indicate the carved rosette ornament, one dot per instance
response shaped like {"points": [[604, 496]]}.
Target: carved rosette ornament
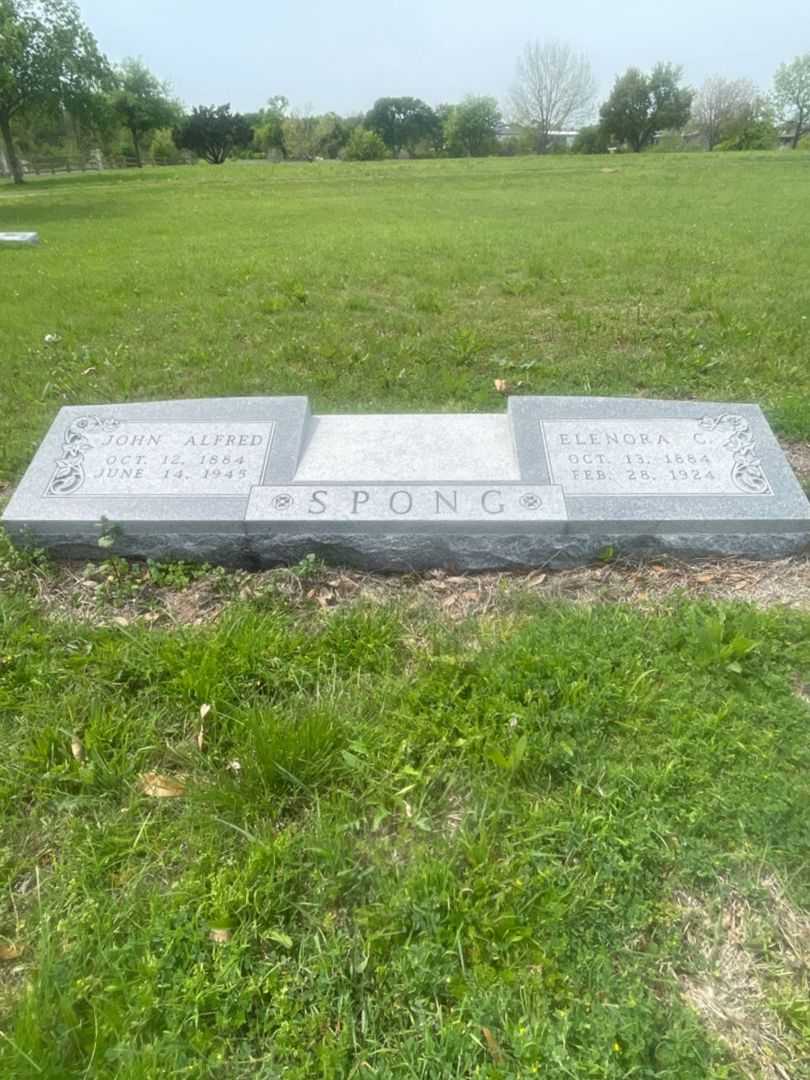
{"points": [[69, 475], [747, 472]]}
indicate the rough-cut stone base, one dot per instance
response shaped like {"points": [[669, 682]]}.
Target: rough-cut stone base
{"points": [[490, 551], [402, 552]]}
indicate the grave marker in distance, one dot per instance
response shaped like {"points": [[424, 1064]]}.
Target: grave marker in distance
{"points": [[17, 239]]}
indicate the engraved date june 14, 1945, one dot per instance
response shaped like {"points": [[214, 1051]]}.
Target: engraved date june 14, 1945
{"points": [[127, 457]]}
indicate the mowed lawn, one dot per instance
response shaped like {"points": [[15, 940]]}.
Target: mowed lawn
{"points": [[289, 826], [409, 285]]}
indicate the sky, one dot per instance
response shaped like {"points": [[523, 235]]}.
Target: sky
{"points": [[327, 55]]}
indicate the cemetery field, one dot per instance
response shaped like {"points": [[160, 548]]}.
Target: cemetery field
{"points": [[309, 823], [410, 285]]}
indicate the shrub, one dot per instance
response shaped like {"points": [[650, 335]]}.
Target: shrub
{"points": [[163, 149], [591, 140], [754, 135], [364, 145]]}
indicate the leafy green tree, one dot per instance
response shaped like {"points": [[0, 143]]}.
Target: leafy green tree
{"points": [[640, 105], [49, 61], [268, 125], [402, 123], [142, 103], [791, 92], [332, 133], [212, 132], [301, 137], [471, 128], [365, 145]]}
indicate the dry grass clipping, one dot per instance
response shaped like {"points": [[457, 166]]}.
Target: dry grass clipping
{"points": [[738, 975]]}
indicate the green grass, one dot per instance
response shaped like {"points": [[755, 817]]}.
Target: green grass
{"points": [[407, 285], [432, 848], [435, 830]]}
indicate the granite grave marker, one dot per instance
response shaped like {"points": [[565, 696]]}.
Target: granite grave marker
{"points": [[17, 239], [554, 481]]}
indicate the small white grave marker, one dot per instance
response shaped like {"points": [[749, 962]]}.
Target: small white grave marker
{"points": [[15, 239]]}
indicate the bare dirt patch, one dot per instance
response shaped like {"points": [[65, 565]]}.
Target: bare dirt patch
{"points": [[749, 955], [798, 454], [73, 591]]}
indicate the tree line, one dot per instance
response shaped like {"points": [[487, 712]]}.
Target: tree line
{"points": [[57, 88]]}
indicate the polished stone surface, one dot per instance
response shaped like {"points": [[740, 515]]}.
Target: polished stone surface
{"points": [[409, 447], [554, 481]]}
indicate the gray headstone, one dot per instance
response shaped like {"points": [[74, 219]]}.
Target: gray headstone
{"points": [[15, 239], [167, 479], [259, 481]]}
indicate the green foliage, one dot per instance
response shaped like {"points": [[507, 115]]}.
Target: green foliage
{"points": [[640, 105], [301, 137], [403, 123], [470, 129], [162, 148], [268, 126], [142, 103], [750, 134], [721, 105], [309, 137], [49, 61], [365, 145], [400, 833], [591, 140], [212, 132], [641, 294], [791, 85]]}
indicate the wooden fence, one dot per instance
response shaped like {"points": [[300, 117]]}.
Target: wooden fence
{"points": [[46, 166]]}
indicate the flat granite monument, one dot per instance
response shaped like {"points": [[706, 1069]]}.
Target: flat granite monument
{"points": [[555, 480], [17, 239]]}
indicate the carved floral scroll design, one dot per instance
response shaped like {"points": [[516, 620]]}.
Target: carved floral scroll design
{"points": [[747, 472], [69, 474]]}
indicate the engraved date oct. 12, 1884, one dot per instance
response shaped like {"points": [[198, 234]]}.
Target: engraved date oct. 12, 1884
{"points": [[159, 458]]}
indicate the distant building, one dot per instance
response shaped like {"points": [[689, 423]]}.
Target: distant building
{"points": [[505, 132]]}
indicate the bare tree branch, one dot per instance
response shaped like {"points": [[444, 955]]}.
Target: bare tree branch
{"points": [[719, 103], [554, 88]]}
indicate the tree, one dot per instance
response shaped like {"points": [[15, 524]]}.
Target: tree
{"points": [[753, 128], [554, 88], [641, 105], [142, 103], [301, 137], [49, 61], [719, 104], [471, 128], [791, 86], [402, 123], [269, 125], [591, 140], [332, 133], [365, 145], [212, 132]]}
